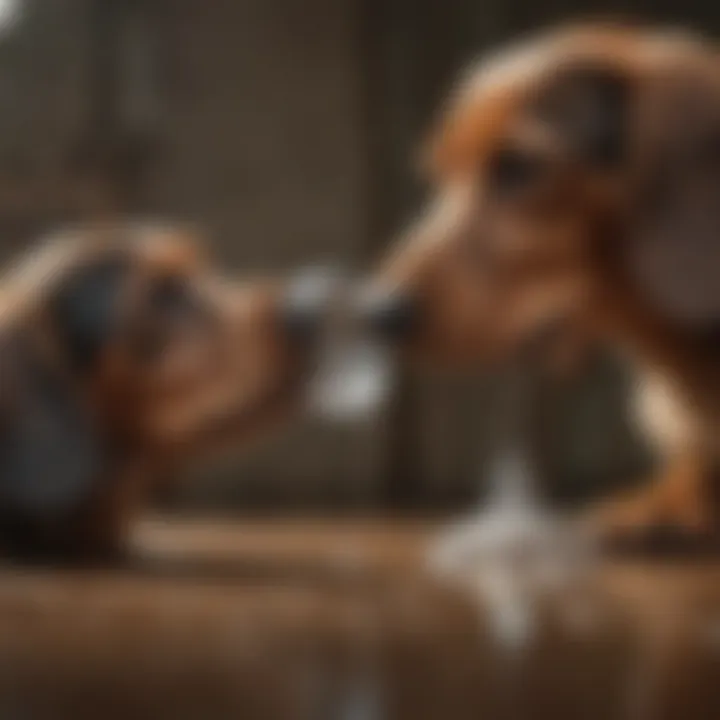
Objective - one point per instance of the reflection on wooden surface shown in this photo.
(339, 620)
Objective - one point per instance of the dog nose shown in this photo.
(389, 315)
(316, 295)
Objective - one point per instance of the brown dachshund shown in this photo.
(123, 357)
(577, 186)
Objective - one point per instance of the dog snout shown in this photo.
(391, 316)
(318, 299)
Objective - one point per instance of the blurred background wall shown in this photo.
(286, 129)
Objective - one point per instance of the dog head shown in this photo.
(576, 178)
(122, 341)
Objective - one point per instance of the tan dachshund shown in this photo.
(577, 182)
(124, 356)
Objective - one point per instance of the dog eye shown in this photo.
(169, 310)
(512, 170)
(171, 296)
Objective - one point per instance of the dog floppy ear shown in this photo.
(664, 141)
(83, 309)
(51, 446)
(50, 449)
(672, 249)
(589, 104)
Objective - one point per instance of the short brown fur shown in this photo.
(217, 383)
(491, 269)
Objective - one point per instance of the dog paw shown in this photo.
(646, 523)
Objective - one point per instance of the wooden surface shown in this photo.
(340, 620)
